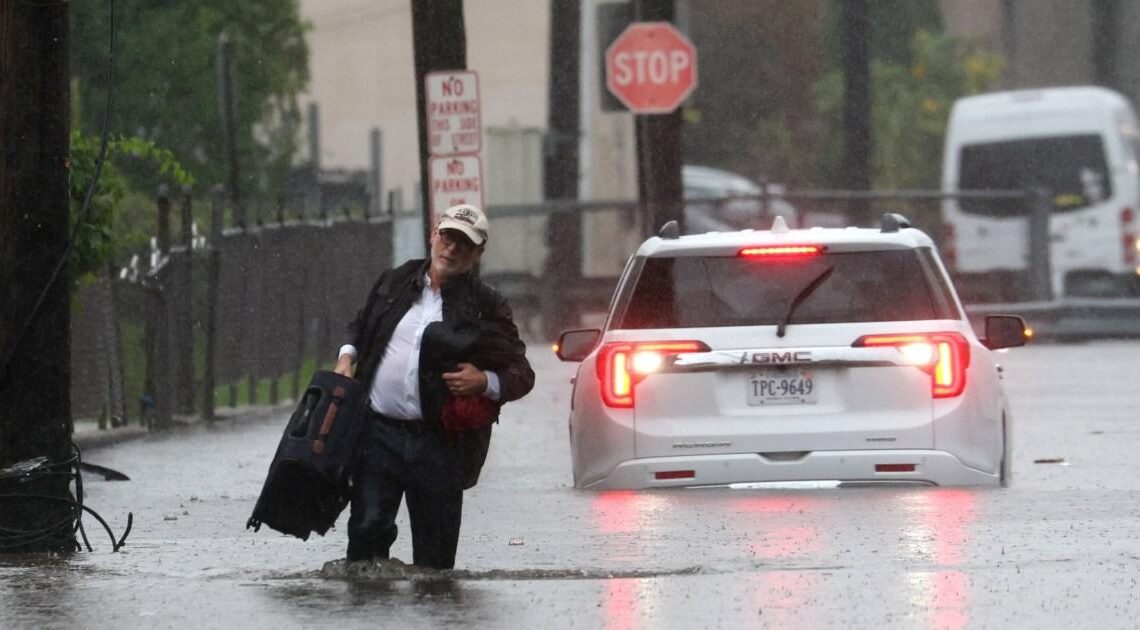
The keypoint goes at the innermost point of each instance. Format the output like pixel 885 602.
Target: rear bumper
pixel 935 467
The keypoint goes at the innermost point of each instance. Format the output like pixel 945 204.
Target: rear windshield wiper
pixel 799 299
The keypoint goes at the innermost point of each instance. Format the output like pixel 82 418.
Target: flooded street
pixel 1061 546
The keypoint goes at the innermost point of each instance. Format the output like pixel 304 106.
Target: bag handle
pixel 330 416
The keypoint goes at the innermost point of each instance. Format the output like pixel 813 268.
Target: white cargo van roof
pixel 1029 113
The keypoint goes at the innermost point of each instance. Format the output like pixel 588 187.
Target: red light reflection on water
pixel 944 517
pixel 778 503
pixel 774 537
pixel 619 604
pixel 783 535
pixel 952 509
pixel 949 600
pixel 616 510
pixel 783 599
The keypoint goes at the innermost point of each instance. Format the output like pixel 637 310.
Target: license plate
pixel 781 387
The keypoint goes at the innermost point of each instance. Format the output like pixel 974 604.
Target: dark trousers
pixel 399 459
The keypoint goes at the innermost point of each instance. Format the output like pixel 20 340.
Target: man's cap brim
pixel 476 236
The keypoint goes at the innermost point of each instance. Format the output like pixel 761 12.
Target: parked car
pixel 718 200
pixel 789 355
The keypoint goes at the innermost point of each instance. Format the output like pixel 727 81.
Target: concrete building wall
pixel 1127 66
pixel 975 18
pixel 363 76
pixel 1054 42
pixel 1050 42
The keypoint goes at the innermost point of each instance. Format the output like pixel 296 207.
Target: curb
pixel 95 439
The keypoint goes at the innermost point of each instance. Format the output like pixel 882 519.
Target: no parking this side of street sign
pixel 455 138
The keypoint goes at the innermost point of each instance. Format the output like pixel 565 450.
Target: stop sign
pixel 651 67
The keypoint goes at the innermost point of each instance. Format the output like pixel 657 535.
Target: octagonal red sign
pixel 651 67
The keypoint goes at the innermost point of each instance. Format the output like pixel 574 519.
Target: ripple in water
pixel 393 569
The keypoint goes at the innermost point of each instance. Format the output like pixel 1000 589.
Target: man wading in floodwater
pixel 441 354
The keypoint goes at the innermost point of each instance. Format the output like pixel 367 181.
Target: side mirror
pixel 1006 331
pixel 575 345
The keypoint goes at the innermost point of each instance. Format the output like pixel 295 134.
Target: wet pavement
pixel 1059 547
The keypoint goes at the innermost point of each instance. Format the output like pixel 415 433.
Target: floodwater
pixel 1061 546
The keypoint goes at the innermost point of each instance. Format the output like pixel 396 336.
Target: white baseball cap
pixel 467 219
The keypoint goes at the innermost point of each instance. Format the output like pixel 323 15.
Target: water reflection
pixel 625 511
pixel 937 530
pixel 35 590
pixel 619 604
pixel 783 599
pixel 395 603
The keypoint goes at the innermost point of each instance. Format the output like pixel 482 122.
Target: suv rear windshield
pixel 1072 168
pixel 688 292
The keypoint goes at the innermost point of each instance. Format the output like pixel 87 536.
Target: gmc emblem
pixel 800 356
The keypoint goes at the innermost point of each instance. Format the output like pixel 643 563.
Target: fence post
pixel 114 331
pixel 314 201
pixel 302 332
pixel 252 296
pixel 164 220
pixel 1040 267
pixel 182 313
pixel 376 198
pixel 214 271
pixel 158 359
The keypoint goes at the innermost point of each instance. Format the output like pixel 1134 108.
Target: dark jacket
pixel 477 328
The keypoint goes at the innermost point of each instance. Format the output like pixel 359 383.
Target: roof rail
pixel 671 230
pixel 892 221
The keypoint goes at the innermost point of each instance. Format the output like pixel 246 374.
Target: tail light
pixel 622 365
pixel 945 356
pixel 1128 231
pixel 949 246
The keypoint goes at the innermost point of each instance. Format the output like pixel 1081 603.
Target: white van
pixel 1080 144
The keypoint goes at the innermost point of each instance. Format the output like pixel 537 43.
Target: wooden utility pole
pixel 660 188
pixel 563 264
pixel 35 352
pixel 440 41
pixel 857 139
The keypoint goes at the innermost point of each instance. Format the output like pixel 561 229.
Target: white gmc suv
pixel 837 354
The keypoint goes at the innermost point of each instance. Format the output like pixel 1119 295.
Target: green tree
pixel 911 105
pixel 893 25
pixel 101 230
pixel 752 112
pixel 165 90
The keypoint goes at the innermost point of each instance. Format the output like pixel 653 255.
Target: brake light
pixel 622 365
pixel 780 251
pixel 945 356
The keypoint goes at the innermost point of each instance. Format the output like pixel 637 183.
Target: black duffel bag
pixel 308 482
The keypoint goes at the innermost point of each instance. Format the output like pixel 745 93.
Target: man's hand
pixel 467 381
pixel 344 365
